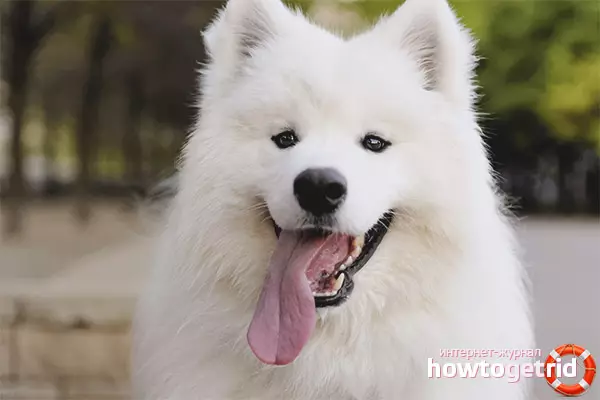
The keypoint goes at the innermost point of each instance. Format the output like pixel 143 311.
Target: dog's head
pixel 335 138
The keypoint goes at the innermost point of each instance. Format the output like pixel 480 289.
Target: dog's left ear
pixel 243 26
pixel 429 32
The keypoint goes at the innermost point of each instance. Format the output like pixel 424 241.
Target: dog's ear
pixel 243 26
pixel 429 32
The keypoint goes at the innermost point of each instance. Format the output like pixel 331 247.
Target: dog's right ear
pixel 241 27
pixel 429 32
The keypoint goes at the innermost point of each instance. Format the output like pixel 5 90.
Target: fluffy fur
pixel 446 274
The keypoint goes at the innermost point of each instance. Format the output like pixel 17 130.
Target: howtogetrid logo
pixel 527 363
pixel 552 369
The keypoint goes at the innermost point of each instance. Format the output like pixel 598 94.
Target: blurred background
pixel 97 99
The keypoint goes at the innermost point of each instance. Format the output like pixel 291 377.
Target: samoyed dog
pixel 336 225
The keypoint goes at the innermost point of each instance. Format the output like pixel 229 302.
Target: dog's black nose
pixel 320 191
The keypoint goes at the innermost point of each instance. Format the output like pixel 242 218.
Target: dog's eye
pixel 285 139
pixel 374 143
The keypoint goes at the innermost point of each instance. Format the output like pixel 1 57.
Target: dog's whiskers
pixel 258 206
pixel 265 218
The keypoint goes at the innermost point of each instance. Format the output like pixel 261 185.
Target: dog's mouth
pixel 332 283
pixel 309 268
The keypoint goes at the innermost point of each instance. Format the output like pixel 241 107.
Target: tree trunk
pixel 16 180
pixel 21 44
pixel 49 152
pixel 593 188
pixel 24 37
pixel 566 200
pixel 132 143
pixel 88 116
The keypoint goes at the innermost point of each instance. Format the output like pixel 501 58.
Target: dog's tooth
pixel 349 260
pixel 323 294
pixel 358 241
pixel 339 282
pixel 356 251
pixel 343 267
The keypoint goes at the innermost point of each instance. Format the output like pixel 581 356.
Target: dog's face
pixel 334 137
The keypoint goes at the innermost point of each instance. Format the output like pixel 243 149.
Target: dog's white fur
pixel 446 274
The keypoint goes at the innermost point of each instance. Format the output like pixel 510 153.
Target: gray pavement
pixel 64 272
pixel 563 258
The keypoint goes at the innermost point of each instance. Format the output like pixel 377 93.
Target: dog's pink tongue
pixel 285 315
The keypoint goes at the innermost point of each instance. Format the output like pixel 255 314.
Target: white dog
pixel 336 223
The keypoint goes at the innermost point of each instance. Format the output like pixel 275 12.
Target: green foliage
pixel 572 98
pixel 303 5
pixel 538 57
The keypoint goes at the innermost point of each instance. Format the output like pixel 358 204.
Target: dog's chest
pixel 335 373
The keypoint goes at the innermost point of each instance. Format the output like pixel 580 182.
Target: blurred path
pixel 67 273
pixel 52 239
pixel 563 257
